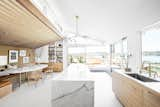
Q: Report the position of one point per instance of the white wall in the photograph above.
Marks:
(65, 54)
(3, 60)
(134, 47)
(41, 54)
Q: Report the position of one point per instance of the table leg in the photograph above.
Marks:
(20, 80)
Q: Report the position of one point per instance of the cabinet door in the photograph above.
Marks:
(5, 90)
(134, 94)
(118, 87)
(128, 91)
(114, 84)
(117, 82)
(151, 99)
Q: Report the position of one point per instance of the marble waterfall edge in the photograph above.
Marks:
(72, 93)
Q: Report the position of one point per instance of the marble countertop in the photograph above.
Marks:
(154, 87)
(72, 94)
(75, 72)
(3, 73)
(29, 68)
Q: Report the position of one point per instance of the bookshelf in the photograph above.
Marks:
(56, 56)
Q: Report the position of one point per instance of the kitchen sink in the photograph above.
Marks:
(142, 78)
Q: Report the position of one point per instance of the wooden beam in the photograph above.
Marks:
(35, 12)
(19, 27)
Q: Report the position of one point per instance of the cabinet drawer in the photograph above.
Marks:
(134, 94)
(5, 90)
(151, 99)
(135, 87)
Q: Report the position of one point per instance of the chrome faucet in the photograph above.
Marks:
(155, 74)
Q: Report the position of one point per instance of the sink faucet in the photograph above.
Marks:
(155, 74)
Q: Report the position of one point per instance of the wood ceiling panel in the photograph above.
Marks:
(24, 26)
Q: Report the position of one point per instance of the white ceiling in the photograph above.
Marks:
(107, 20)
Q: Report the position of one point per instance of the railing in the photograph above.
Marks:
(152, 68)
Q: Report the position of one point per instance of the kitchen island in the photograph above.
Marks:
(72, 88)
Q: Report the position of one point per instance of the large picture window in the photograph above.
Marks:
(90, 55)
(119, 53)
(151, 52)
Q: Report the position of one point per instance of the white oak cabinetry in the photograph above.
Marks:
(132, 94)
(5, 88)
(151, 99)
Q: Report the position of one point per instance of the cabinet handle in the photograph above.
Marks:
(133, 87)
(151, 93)
(154, 95)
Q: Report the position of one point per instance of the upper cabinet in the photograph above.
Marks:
(23, 25)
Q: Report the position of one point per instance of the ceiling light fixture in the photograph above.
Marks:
(78, 35)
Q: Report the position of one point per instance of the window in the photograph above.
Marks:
(87, 50)
(119, 53)
(116, 55)
(76, 54)
(89, 54)
(97, 55)
(151, 52)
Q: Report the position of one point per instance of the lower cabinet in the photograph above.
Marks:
(151, 99)
(132, 94)
(5, 88)
(36, 75)
(55, 67)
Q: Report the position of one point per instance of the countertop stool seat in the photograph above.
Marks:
(35, 76)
